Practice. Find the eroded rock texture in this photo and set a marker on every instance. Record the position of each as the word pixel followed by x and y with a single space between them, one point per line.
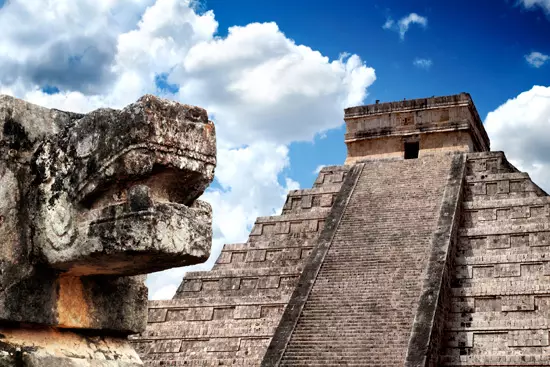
pixel 88 203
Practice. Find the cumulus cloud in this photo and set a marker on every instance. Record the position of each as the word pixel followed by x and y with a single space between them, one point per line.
pixel 285 90
pixel 536 59
pixel 533 4
pixel 262 89
pixel 402 26
pixel 521 128
pixel 422 63
pixel 37 49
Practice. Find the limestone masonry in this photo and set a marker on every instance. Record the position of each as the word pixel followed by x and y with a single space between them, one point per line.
pixel 424 249
pixel 88 203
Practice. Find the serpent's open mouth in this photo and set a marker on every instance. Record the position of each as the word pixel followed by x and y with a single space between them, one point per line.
pixel 127 221
pixel 163 186
pixel 120 197
pixel 171 175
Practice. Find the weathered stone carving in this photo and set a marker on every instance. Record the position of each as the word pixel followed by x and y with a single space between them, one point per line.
pixel 88 203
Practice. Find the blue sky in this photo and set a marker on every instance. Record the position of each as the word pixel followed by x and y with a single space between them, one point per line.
pixel 271 75
pixel 475 46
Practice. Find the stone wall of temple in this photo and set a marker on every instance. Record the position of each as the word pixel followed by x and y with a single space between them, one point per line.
pixel 438 124
pixel 393 146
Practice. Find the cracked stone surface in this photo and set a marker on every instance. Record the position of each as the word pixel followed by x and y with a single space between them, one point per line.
pixel 89 203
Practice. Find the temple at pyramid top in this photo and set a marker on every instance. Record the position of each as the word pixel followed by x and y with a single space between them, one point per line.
pixel 412 128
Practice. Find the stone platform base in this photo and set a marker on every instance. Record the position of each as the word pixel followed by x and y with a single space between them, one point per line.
pixel 50 347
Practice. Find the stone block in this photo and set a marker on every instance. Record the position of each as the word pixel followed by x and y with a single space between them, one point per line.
pixel 539 239
pixel 518 303
pixel 247 312
pixel 200 313
pixel 229 283
pixel 528 338
pixel 268 282
pixel 157 315
pixel 306 201
pixel 507 270
pixel 498 242
pixel 223 345
pixel 255 255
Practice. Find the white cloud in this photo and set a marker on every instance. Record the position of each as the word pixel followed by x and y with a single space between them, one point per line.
pixel 286 91
pixel 69 43
pixel 422 63
pixel 402 26
pixel 166 291
pixel 412 18
pixel 536 59
pixel 532 4
pixel 389 23
pixel 521 128
pixel 262 90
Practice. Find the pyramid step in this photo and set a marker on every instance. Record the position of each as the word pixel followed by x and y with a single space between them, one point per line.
pixel 513 256
pixel 488 162
pixel 250 328
pixel 270 296
pixel 207 313
pixel 492 321
pixel 273 258
pixel 312 221
pixel 497 359
pixel 503 286
pixel 301 234
pixel 507 203
pixel 238 273
pixel 495 228
pixel 483 186
pixel 496 213
pixel 239 285
pixel 183 360
pixel 305 240
pixel 262 255
pixel 299 201
pixel 330 175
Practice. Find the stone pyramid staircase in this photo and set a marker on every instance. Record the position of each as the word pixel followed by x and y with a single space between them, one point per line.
pixel 365 291
pixel 227 316
pixel 499 314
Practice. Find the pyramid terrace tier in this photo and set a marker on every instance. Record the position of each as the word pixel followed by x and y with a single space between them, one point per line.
pixel 498 213
pixel 283 254
pixel 488 162
pixel 497 186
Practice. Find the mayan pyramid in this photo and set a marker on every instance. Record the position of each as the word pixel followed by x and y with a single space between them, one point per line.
pixel 424 249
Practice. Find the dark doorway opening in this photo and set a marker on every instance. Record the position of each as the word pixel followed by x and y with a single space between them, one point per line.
pixel 411 150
